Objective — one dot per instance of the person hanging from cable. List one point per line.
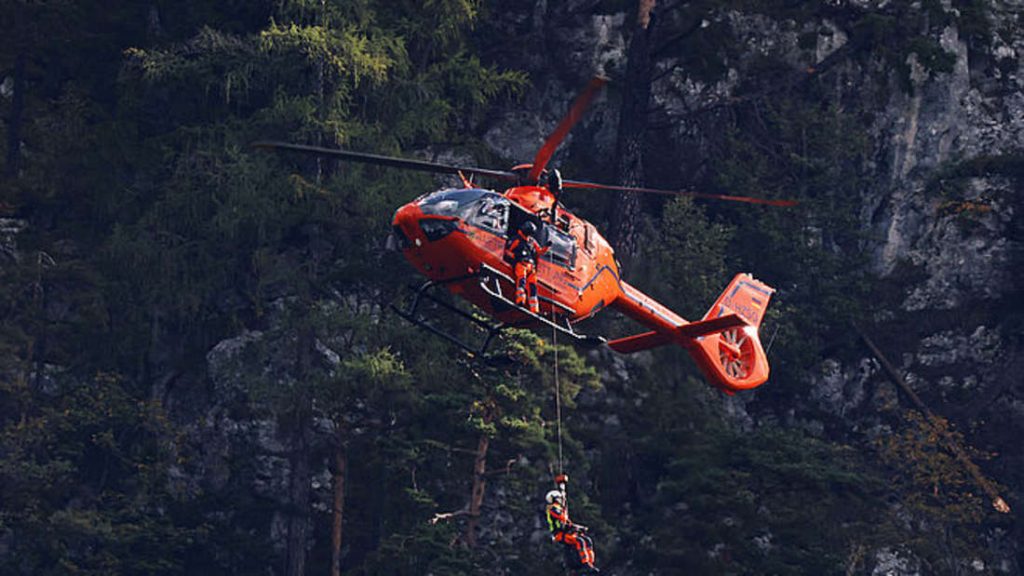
(565, 531)
(523, 249)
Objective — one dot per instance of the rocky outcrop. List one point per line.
(9, 230)
(943, 212)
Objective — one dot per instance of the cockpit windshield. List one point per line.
(478, 207)
(451, 202)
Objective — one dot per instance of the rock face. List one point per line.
(9, 230)
(889, 562)
(943, 211)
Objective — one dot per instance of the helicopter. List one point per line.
(456, 238)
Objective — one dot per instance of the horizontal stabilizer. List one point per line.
(639, 342)
(705, 327)
(693, 330)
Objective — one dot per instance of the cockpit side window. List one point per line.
(490, 213)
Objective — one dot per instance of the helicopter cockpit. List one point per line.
(477, 207)
(563, 246)
(494, 213)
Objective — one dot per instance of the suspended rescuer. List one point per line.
(566, 532)
(524, 250)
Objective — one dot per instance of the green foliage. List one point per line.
(49, 307)
(155, 232)
(773, 501)
(932, 55)
(688, 259)
(909, 30)
(82, 477)
(188, 236)
(421, 549)
(227, 65)
(947, 180)
(815, 154)
(509, 397)
(509, 400)
(343, 52)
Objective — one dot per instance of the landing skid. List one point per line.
(489, 279)
(425, 291)
(490, 283)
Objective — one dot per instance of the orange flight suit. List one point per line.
(524, 251)
(564, 531)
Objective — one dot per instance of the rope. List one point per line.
(772, 340)
(558, 389)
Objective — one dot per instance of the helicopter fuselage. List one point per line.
(452, 235)
(447, 235)
(457, 237)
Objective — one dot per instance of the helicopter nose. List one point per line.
(403, 226)
(419, 228)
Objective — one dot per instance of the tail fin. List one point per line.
(733, 359)
(746, 297)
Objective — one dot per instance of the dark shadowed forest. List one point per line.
(200, 369)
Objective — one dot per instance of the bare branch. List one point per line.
(439, 516)
(506, 470)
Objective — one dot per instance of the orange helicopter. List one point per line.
(456, 238)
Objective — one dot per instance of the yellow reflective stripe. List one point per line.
(553, 524)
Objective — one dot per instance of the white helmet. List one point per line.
(554, 495)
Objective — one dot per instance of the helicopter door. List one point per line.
(517, 216)
(563, 247)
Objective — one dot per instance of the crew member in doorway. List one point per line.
(524, 250)
(563, 530)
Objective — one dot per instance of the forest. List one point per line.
(201, 371)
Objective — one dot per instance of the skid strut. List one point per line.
(424, 291)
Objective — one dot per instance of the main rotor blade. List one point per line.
(747, 199)
(562, 130)
(391, 161)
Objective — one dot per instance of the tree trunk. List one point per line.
(340, 469)
(298, 482)
(15, 120)
(952, 445)
(319, 87)
(476, 498)
(632, 131)
(298, 520)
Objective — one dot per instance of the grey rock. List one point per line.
(10, 228)
(892, 562)
(837, 390)
(948, 348)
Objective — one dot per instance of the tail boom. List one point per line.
(724, 344)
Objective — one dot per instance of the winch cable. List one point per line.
(558, 390)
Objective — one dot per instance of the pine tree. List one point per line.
(83, 478)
